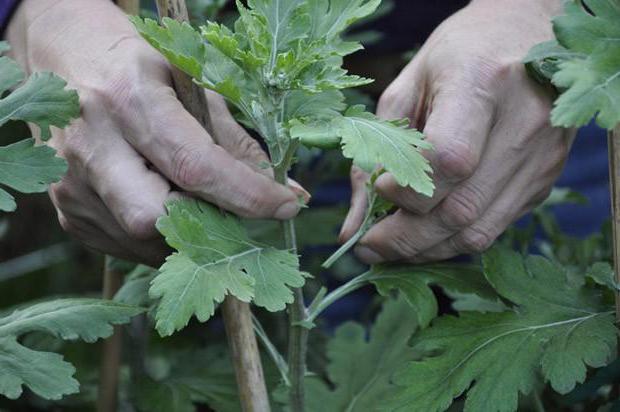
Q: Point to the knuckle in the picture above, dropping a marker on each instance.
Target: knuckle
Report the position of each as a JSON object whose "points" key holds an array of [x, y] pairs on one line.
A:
{"points": [[400, 244], [248, 148], [62, 192], [455, 162], [461, 209], [188, 167]]}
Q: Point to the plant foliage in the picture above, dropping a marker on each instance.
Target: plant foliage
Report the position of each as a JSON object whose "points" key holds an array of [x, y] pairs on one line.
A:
{"points": [[47, 374], [584, 63], [556, 328], [41, 100], [215, 258]]}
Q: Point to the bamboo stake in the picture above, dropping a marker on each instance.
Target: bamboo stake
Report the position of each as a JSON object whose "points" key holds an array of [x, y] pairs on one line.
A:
{"points": [[112, 347], [237, 315], [614, 176]]}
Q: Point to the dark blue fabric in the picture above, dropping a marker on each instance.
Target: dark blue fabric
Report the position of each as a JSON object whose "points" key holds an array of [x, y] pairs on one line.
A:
{"points": [[6, 9], [587, 172]]}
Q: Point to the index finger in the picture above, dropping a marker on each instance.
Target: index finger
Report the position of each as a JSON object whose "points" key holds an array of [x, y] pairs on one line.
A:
{"points": [[178, 146], [458, 127]]}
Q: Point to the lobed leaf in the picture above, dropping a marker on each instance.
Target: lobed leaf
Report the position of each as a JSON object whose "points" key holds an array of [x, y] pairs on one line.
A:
{"points": [[27, 169], [555, 328], [414, 282], [47, 374], [216, 258], [585, 65], [370, 142]]}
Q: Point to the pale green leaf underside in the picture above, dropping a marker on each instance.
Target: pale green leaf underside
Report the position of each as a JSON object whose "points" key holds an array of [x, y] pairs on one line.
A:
{"points": [[555, 329], [42, 100], [28, 169], [47, 374], [216, 258], [371, 142]]}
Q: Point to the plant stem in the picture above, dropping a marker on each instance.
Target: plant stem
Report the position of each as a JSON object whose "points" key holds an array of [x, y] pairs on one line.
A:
{"points": [[538, 403], [112, 347], [342, 250], [337, 294], [298, 335]]}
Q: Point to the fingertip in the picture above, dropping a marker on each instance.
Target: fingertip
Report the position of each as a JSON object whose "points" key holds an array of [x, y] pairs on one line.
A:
{"points": [[368, 255], [299, 191], [287, 211]]}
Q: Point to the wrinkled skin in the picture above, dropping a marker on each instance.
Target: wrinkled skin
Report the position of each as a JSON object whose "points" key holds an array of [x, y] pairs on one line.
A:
{"points": [[135, 147], [495, 154]]}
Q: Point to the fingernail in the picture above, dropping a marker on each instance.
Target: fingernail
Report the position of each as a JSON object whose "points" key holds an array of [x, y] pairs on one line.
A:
{"points": [[368, 255], [299, 191], [287, 211]]}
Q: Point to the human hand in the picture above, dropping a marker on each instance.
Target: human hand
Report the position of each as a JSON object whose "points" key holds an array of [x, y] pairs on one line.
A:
{"points": [[135, 146], [495, 154]]}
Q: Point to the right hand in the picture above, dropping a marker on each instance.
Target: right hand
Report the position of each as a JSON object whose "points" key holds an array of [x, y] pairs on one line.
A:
{"points": [[135, 144]]}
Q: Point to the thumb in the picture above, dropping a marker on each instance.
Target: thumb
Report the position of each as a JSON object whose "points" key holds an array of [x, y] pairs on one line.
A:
{"points": [[359, 204]]}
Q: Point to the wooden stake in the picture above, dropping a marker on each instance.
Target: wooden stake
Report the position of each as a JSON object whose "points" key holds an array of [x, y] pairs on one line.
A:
{"points": [[112, 280], [131, 7], [112, 347], [237, 315], [614, 177]]}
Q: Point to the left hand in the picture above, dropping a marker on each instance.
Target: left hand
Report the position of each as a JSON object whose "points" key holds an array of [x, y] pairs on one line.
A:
{"points": [[495, 156]]}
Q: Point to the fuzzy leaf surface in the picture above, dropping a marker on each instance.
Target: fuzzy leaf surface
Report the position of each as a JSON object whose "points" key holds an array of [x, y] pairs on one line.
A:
{"points": [[215, 258], [27, 169], [42, 100], [371, 142], [47, 374], [556, 329], [591, 79]]}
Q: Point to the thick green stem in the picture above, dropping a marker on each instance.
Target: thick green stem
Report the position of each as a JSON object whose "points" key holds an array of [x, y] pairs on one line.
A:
{"points": [[298, 335]]}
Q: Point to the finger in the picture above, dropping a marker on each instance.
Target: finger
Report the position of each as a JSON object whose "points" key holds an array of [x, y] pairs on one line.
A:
{"points": [[510, 154], [181, 149], [234, 138], [458, 127], [359, 204], [526, 191], [405, 96], [83, 214]]}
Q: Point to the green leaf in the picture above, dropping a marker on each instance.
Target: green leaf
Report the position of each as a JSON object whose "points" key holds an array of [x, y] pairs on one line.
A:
{"points": [[4, 47], [163, 396], [285, 21], [556, 329], [371, 142], [361, 367], [331, 18], [325, 105], [28, 169], [10, 74], [178, 42], [603, 274], [216, 258], [592, 77], [47, 374], [42, 100], [543, 60], [414, 283]]}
